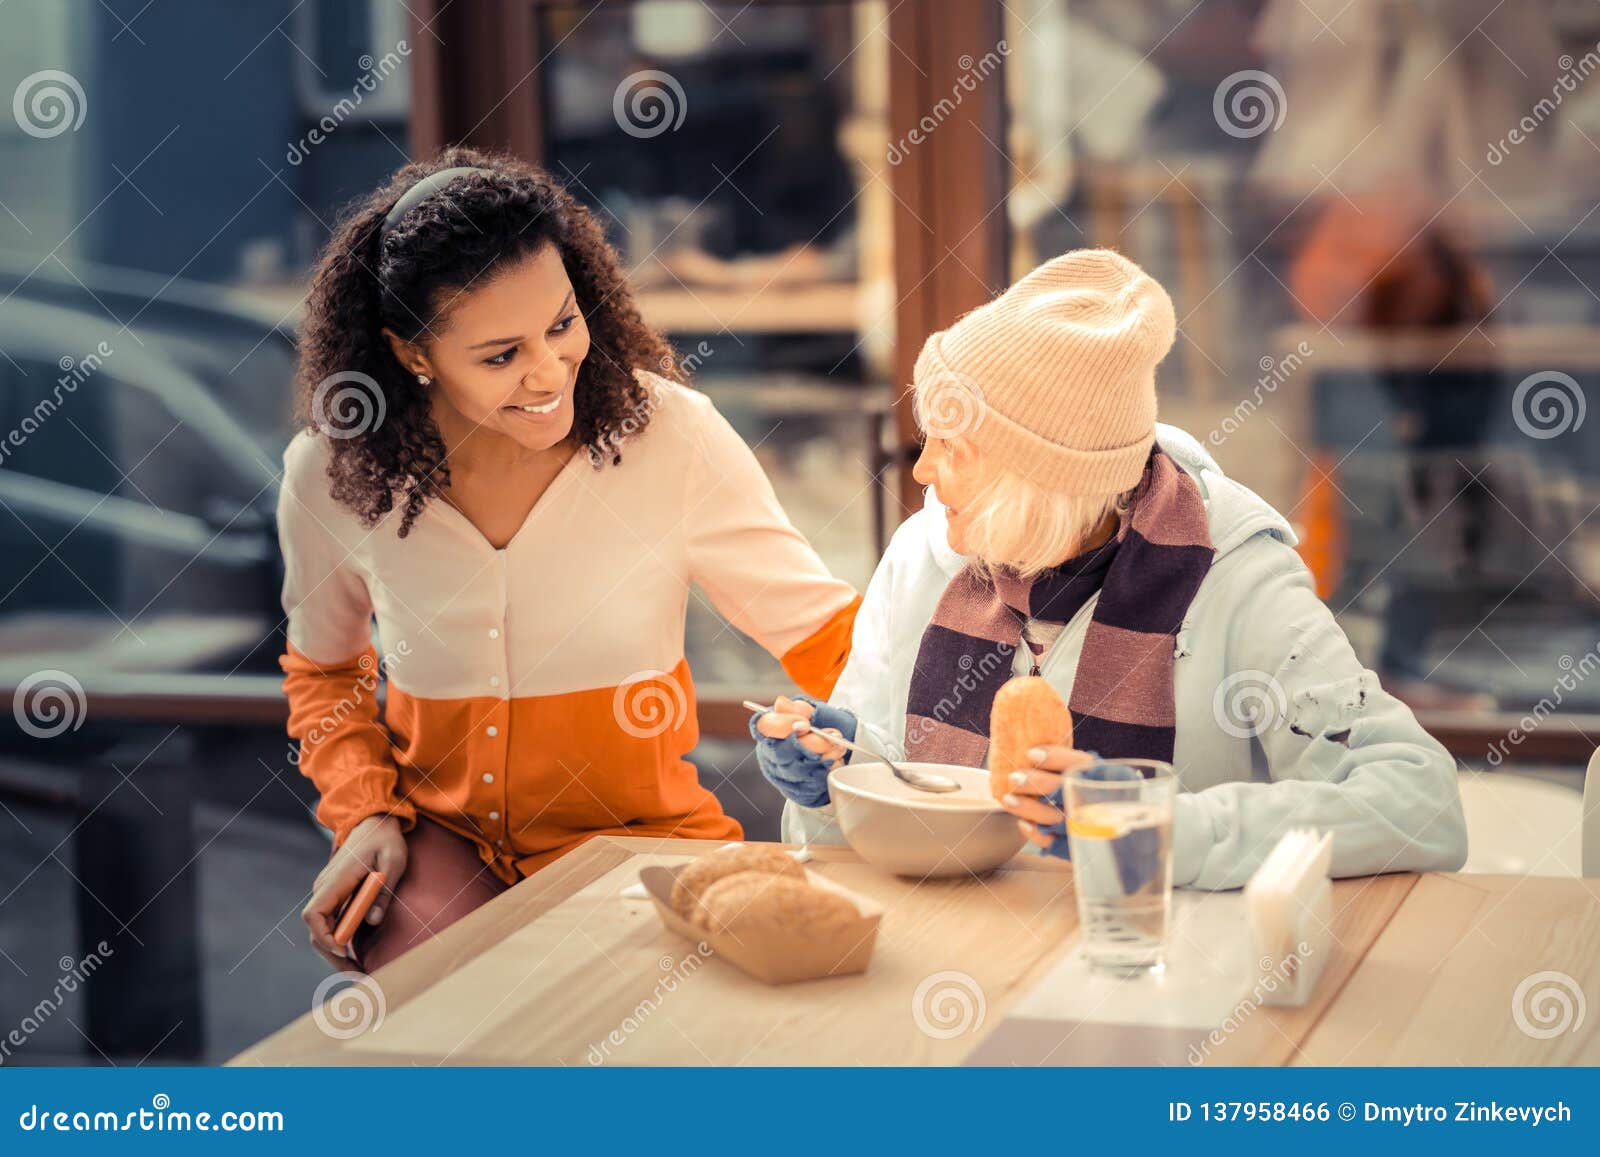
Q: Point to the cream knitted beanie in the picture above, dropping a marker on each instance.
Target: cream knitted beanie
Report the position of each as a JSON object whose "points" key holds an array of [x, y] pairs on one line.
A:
{"points": [[1056, 376]]}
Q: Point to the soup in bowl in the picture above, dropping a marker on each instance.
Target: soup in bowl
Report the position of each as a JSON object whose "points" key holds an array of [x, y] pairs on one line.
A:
{"points": [[923, 834]]}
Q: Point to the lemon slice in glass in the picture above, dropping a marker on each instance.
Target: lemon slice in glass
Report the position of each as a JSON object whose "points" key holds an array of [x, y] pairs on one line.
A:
{"points": [[1097, 821]]}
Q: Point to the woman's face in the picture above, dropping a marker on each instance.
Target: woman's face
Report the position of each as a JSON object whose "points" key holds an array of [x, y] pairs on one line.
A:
{"points": [[506, 358], [950, 466]]}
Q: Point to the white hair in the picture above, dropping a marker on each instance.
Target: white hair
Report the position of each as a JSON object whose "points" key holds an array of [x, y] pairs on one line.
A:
{"points": [[1016, 524]]}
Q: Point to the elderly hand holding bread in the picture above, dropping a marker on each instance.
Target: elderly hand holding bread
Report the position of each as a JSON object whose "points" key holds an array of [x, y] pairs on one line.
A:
{"points": [[1030, 746]]}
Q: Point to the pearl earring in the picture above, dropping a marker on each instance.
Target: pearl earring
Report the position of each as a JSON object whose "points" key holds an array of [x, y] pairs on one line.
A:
{"points": [[424, 380]]}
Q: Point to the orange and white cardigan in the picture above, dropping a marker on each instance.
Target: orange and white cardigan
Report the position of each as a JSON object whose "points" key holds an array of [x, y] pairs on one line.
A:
{"points": [[538, 695]]}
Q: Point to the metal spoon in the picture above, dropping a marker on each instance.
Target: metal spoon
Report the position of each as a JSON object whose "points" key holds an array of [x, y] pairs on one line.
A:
{"points": [[921, 780]]}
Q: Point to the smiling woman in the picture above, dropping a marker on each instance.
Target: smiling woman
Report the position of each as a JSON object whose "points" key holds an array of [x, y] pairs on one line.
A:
{"points": [[464, 287], [504, 404], [502, 482]]}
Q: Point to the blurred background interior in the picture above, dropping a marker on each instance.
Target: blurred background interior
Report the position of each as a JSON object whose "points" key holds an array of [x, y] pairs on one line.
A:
{"points": [[1377, 219]]}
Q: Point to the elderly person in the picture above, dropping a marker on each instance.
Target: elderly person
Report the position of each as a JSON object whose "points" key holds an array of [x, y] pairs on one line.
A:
{"points": [[1067, 534]]}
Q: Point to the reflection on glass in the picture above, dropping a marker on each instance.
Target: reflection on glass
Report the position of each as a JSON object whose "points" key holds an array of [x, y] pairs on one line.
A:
{"points": [[168, 178], [1375, 223], [146, 330]]}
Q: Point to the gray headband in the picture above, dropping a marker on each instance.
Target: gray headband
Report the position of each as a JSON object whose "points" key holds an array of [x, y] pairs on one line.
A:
{"points": [[419, 193]]}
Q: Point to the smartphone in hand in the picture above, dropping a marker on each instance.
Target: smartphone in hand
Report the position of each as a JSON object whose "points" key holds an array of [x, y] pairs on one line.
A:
{"points": [[356, 908]]}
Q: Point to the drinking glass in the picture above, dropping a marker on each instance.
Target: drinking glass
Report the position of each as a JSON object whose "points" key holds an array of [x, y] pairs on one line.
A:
{"points": [[1119, 827]]}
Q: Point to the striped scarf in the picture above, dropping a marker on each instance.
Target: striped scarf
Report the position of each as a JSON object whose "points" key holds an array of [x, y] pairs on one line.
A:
{"points": [[1122, 697]]}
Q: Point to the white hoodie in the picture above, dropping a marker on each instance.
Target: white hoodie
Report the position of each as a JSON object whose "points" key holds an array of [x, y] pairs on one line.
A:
{"points": [[1331, 749]]}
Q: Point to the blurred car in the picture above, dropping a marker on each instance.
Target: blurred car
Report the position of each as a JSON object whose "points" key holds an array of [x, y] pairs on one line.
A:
{"points": [[142, 422]]}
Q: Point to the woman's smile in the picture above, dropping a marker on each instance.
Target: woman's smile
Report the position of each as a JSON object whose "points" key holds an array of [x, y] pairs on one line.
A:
{"points": [[546, 404]]}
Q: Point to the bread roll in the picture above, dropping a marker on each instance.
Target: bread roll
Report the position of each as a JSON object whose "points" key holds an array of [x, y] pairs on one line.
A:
{"points": [[707, 870], [1026, 713], [752, 906]]}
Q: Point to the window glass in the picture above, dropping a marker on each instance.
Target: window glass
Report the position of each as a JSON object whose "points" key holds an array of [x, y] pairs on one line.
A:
{"points": [[736, 154], [153, 257], [1376, 224]]}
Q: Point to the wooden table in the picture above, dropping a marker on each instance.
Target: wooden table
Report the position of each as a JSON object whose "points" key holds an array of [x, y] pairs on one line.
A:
{"points": [[563, 969]]}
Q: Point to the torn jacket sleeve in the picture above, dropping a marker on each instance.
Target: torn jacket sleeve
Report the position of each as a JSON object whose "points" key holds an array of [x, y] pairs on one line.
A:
{"points": [[1343, 755]]}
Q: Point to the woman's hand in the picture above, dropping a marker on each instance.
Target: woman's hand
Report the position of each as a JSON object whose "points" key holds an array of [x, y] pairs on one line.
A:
{"points": [[374, 844], [1035, 796], [798, 765]]}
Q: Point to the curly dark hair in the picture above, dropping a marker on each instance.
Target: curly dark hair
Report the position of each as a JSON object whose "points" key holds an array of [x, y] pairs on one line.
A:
{"points": [[457, 238]]}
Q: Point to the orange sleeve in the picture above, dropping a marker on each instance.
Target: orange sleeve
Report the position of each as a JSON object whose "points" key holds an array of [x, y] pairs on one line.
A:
{"points": [[344, 748], [333, 703], [816, 662]]}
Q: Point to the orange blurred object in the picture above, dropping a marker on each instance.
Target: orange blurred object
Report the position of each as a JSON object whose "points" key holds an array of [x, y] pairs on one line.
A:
{"points": [[1323, 543], [358, 907], [1387, 263]]}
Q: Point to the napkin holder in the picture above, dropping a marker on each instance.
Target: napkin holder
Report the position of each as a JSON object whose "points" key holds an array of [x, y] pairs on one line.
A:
{"points": [[1290, 901]]}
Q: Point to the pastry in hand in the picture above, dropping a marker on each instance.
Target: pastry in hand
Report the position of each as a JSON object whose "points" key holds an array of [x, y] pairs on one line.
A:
{"points": [[758, 906], [1027, 713], [708, 869]]}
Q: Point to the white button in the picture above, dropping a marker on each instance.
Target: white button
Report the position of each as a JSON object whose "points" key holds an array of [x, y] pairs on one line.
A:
{"points": [[493, 731], [494, 815], [488, 777], [494, 680], [494, 632]]}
